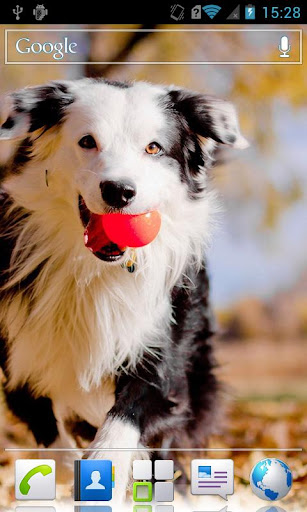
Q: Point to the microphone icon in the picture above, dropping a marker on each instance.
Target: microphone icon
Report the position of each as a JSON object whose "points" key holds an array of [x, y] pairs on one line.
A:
{"points": [[284, 46]]}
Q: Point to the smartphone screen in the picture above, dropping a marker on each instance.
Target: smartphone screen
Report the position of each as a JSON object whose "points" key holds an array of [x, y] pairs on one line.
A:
{"points": [[153, 276]]}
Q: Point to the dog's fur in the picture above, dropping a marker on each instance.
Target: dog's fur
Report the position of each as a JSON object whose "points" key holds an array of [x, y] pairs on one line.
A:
{"points": [[85, 345]]}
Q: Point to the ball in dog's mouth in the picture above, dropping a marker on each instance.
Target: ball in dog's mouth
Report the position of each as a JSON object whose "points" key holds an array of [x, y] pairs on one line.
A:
{"points": [[95, 238], [108, 235]]}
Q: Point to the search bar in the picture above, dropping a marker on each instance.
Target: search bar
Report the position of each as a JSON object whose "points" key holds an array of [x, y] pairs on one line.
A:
{"points": [[162, 47]]}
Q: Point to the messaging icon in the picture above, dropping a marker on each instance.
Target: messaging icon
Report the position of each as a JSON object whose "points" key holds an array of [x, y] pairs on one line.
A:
{"points": [[212, 477]]}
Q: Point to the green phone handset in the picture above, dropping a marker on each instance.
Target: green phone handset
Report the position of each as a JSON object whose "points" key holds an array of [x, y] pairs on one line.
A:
{"points": [[24, 485]]}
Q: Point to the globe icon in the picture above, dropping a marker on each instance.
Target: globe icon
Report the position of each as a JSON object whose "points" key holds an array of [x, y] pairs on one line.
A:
{"points": [[271, 479]]}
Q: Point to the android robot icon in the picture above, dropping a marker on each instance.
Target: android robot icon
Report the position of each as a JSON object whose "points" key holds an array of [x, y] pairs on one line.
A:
{"points": [[40, 12]]}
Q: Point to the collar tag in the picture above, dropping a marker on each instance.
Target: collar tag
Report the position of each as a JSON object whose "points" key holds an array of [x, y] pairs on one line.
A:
{"points": [[130, 264]]}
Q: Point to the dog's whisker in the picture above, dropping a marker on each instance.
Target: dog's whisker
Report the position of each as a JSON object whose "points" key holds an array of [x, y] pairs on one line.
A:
{"points": [[89, 171]]}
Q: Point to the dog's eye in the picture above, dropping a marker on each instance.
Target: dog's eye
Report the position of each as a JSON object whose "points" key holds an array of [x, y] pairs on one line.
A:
{"points": [[153, 148], [87, 142]]}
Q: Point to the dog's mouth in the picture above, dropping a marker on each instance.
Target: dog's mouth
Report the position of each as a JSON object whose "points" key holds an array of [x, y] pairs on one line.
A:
{"points": [[95, 238]]}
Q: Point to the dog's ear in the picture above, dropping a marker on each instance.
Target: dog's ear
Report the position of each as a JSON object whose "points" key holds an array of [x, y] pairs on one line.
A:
{"points": [[33, 108], [13, 124], [209, 117], [14, 127], [25, 111]]}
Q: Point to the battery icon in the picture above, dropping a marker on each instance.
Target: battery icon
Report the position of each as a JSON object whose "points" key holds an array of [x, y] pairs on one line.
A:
{"points": [[250, 12]]}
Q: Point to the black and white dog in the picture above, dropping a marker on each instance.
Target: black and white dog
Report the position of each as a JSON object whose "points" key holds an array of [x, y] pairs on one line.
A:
{"points": [[125, 358]]}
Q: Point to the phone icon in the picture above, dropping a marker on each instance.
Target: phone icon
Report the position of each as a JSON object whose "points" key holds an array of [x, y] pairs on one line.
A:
{"points": [[35, 479], [24, 485]]}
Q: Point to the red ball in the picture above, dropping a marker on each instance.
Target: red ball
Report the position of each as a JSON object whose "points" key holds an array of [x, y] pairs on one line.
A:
{"points": [[94, 236], [132, 230]]}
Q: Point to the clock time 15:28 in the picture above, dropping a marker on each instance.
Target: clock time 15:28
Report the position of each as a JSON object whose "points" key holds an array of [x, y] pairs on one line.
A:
{"points": [[282, 12]]}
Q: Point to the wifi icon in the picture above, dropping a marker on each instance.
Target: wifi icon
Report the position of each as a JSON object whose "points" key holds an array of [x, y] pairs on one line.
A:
{"points": [[211, 10]]}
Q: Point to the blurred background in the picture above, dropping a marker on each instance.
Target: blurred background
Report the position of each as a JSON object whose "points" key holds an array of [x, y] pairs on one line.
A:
{"points": [[257, 261]]}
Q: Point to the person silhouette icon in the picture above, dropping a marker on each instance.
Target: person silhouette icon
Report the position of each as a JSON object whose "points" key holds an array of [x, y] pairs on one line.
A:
{"points": [[95, 477]]}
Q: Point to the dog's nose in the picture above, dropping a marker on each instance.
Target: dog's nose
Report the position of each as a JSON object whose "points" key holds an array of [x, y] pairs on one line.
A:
{"points": [[118, 193]]}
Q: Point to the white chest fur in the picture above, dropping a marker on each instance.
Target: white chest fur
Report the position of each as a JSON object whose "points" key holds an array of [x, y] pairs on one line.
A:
{"points": [[77, 334], [83, 319]]}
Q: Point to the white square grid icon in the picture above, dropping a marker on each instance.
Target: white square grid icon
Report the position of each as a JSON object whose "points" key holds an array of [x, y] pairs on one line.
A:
{"points": [[164, 508], [164, 469], [142, 469], [164, 491]]}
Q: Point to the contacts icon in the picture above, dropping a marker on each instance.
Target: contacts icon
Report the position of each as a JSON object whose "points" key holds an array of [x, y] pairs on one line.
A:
{"points": [[95, 477], [94, 480]]}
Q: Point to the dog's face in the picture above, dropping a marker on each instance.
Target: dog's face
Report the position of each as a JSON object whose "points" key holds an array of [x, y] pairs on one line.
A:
{"points": [[110, 146]]}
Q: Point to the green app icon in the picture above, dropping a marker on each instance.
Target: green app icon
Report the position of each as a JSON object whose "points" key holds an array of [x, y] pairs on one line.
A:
{"points": [[24, 485], [35, 479]]}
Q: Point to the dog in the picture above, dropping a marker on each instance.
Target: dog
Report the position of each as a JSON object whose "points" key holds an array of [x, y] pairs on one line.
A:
{"points": [[122, 358]]}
